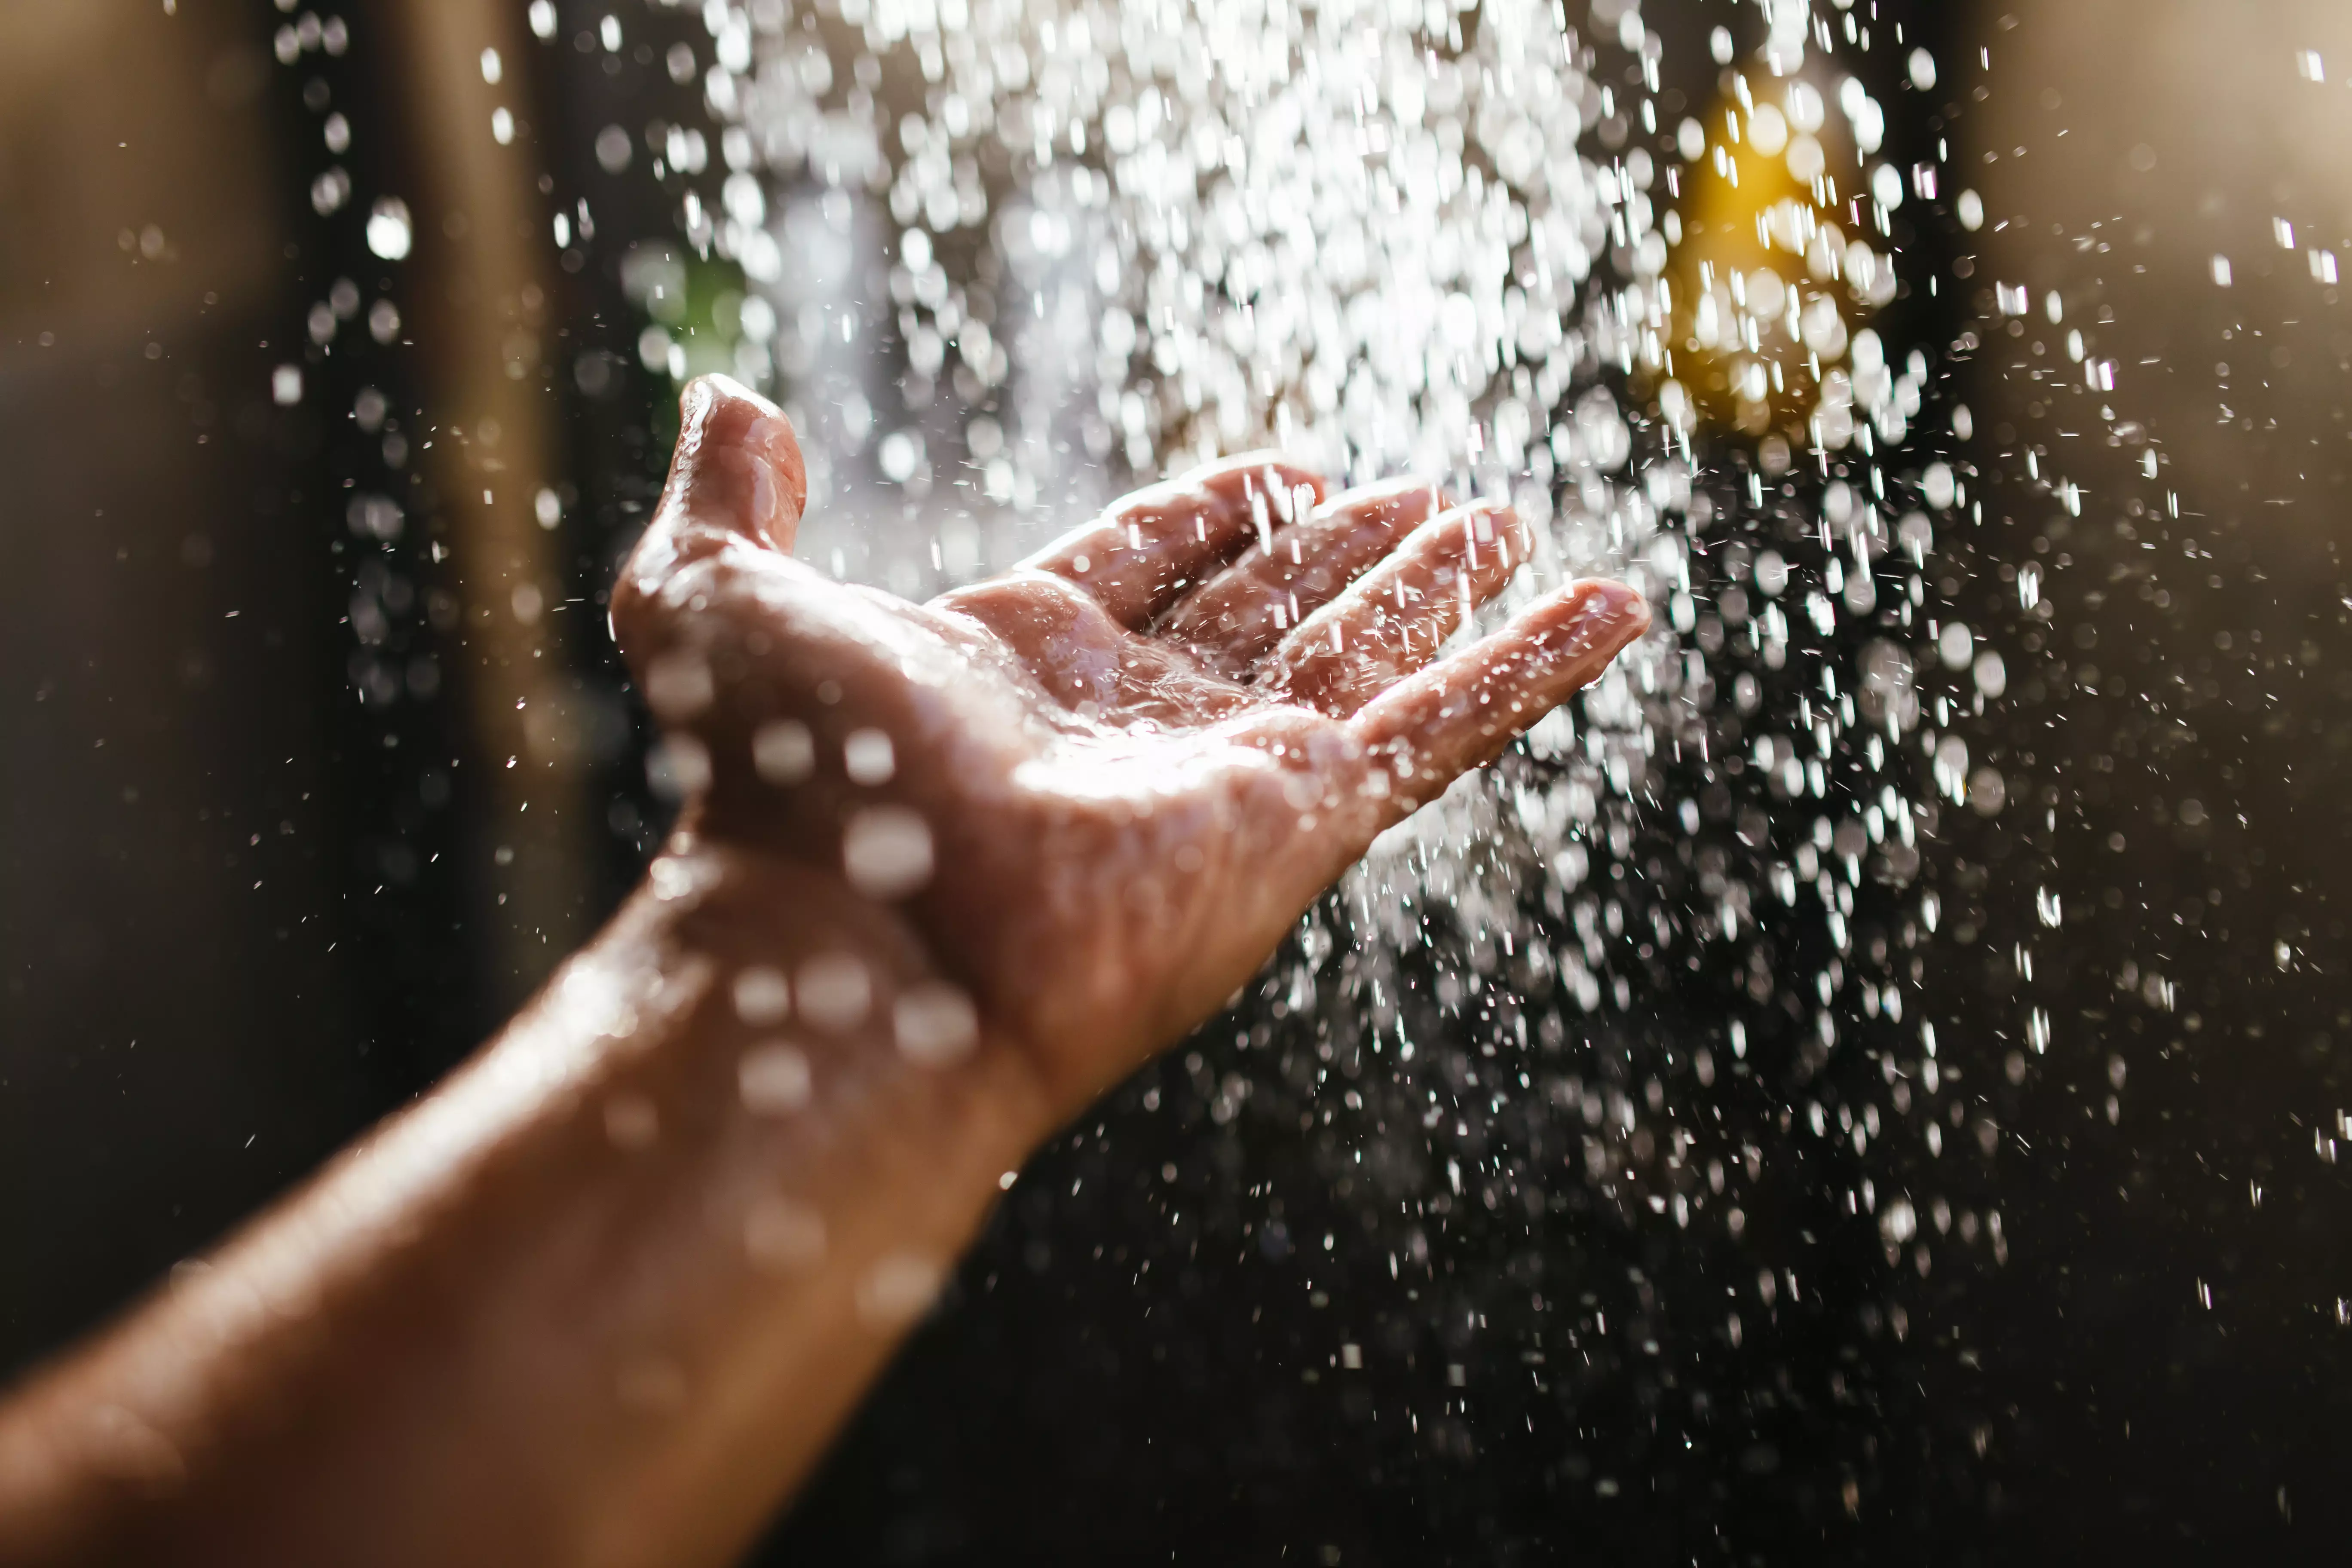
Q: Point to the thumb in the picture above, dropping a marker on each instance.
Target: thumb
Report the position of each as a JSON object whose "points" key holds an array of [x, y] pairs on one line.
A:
{"points": [[735, 480], [736, 469]]}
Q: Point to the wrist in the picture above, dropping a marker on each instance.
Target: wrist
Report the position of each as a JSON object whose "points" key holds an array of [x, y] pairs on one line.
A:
{"points": [[812, 1002]]}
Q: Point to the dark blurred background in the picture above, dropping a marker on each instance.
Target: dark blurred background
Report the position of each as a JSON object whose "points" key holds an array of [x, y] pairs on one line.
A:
{"points": [[316, 759], [305, 709]]}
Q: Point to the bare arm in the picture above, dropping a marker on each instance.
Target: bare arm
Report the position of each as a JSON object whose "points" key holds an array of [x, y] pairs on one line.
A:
{"points": [[604, 1296], [596, 1300]]}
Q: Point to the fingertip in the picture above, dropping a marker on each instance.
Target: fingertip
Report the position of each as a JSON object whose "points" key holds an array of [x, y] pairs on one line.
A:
{"points": [[1517, 538], [722, 388], [1402, 490], [739, 464], [719, 408], [1596, 613], [1623, 605], [1259, 470]]}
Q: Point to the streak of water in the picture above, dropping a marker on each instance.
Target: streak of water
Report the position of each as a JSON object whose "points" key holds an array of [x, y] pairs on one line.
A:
{"points": [[1652, 983], [1478, 245]]}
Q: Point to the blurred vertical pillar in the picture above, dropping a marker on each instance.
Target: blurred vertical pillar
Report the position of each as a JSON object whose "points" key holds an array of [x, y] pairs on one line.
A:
{"points": [[175, 1039], [2164, 141], [478, 315]]}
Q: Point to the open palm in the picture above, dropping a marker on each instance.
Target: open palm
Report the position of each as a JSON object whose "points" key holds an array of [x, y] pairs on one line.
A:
{"points": [[1101, 785]]}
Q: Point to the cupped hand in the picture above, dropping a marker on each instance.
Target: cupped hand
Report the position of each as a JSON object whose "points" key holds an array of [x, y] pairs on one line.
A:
{"points": [[1099, 786]]}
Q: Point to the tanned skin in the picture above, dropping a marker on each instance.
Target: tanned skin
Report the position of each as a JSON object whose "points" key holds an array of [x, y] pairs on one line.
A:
{"points": [[947, 872]]}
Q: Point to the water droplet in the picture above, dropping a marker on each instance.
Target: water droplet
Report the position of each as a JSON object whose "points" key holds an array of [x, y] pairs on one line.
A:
{"points": [[899, 1289], [783, 1235], [774, 1080], [836, 992], [388, 231], [761, 997], [783, 752], [935, 1022], [868, 758], [886, 851]]}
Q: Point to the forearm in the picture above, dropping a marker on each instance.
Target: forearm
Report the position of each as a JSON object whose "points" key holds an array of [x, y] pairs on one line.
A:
{"points": [[601, 1298]]}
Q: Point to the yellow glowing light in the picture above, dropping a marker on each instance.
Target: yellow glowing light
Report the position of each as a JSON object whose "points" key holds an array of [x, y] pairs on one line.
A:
{"points": [[1772, 279]]}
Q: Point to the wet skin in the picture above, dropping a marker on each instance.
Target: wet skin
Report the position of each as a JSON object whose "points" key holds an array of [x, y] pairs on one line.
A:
{"points": [[945, 872], [1137, 756]]}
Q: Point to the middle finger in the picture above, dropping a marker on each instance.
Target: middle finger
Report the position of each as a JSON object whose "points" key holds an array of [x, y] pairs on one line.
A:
{"points": [[1229, 622]]}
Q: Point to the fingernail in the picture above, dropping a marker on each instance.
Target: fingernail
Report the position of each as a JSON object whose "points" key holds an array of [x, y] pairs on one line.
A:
{"points": [[765, 497], [1616, 604], [769, 434], [1612, 615]]}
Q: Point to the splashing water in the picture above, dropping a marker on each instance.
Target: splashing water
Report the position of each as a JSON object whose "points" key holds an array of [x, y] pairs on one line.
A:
{"points": [[1570, 1072], [1594, 1125]]}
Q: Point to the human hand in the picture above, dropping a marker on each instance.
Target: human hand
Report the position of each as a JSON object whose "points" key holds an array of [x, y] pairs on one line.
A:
{"points": [[606, 1293], [1098, 787]]}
